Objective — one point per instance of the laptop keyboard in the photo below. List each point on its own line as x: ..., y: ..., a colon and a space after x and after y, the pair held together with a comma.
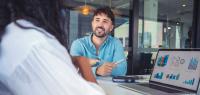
x: 168, y: 90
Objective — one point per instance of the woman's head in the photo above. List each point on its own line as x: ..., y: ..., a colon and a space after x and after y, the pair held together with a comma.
x: 42, y: 13
x: 4, y: 16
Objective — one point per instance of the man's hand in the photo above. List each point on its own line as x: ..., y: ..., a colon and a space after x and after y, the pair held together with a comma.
x: 105, y: 69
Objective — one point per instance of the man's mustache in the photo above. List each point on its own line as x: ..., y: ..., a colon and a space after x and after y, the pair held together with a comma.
x: 100, y: 28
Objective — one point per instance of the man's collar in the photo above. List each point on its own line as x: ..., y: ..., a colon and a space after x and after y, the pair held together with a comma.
x: 91, y: 42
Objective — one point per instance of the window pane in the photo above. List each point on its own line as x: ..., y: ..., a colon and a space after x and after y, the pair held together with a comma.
x: 122, y: 32
x: 165, y: 23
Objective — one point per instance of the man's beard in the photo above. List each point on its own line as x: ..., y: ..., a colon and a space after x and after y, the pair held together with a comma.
x: 99, y: 34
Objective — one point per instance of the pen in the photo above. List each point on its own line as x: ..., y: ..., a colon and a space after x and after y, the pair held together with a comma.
x: 119, y: 61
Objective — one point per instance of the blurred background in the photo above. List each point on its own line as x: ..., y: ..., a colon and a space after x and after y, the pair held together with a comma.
x: 143, y: 26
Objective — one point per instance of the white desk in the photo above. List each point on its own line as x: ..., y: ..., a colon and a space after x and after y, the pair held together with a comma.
x: 112, y: 88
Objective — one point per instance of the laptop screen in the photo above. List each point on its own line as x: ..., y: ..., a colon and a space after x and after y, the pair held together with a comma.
x: 180, y: 68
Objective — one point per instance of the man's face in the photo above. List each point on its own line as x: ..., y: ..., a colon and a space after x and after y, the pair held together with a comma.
x: 101, y: 25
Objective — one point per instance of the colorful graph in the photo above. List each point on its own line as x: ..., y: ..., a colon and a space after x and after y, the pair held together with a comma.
x: 173, y: 76
x: 193, y: 64
x: 162, y: 61
x: 158, y: 75
x: 189, y: 82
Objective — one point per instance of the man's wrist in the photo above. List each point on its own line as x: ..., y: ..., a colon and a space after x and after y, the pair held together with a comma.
x: 97, y: 71
x: 95, y: 64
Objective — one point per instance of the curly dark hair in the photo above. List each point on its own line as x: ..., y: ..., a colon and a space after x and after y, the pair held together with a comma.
x: 42, y: 13
x: 107, y: 11
x: 4, y: 16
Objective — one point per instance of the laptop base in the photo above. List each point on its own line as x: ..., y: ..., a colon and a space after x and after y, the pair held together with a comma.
x: 151, y: 91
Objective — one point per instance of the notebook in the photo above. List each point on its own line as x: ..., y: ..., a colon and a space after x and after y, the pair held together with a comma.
x: 176, y: 71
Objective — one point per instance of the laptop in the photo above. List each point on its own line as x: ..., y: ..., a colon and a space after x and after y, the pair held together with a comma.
x: 175, y: 72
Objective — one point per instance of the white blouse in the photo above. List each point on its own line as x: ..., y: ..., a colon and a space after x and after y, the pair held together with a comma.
x: 35, y: 63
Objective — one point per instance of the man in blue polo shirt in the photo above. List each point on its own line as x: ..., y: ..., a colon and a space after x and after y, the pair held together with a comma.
x: 102, y: 50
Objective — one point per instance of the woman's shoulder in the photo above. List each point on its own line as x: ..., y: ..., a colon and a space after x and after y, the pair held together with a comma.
x: 22, y: 36
x: 19, y: 40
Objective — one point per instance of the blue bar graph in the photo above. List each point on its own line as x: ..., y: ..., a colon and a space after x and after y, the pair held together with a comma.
x: 158, y: 75
x: 173, y: 76
x: 162, y: 61
x: 193, y: 64
x: 189, y: 82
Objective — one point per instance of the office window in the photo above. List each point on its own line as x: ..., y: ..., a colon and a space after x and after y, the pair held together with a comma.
x: 165, y: 24
x: 122, y: 32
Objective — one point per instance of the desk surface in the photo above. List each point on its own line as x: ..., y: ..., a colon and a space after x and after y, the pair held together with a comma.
x: 112, y: 88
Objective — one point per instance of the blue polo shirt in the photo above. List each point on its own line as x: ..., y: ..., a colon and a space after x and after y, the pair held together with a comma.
x: 110, y: 51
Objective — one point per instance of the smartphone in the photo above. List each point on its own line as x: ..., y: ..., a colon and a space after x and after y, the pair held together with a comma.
x: 123, y: 79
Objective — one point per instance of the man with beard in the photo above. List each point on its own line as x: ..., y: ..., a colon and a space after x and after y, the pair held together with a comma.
x: 102, y: 50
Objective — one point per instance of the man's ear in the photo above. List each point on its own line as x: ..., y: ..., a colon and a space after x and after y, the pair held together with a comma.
x: 111, y: 28
x: 92, y: 23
